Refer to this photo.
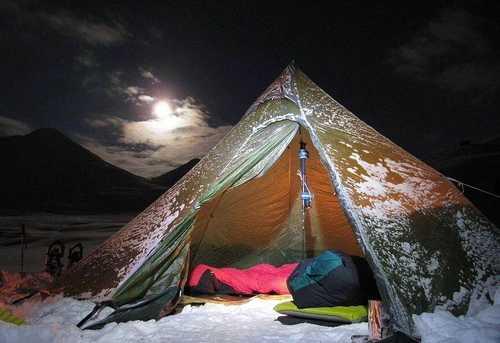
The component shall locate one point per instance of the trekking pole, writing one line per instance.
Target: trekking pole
(23, 245)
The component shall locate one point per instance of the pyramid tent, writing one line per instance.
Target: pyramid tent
(241, 204)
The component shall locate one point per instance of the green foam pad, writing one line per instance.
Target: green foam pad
(7, 316)
(344, 314)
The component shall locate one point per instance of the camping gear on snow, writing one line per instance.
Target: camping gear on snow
(8, 317)
(240, 205)
(330, 279)
(75, 254)
(17, 287)
(259, 279)
(378, 320)
(343, 314)
(53, 260)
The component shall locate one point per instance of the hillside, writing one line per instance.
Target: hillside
(170, 178)
(47, 171)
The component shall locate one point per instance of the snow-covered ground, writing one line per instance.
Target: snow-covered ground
(480, 325)
(254, 321)
(54, 321)
(44, 228)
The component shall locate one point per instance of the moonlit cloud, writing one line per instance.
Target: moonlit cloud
(11, 127)
(118, 87)
(152, 147)
(115, 78)
(87, 59)
(90, 31)
(132, 91)
(145, 98)
(109, 121)
(148, 146)
(456, 36)
(148, 74)
(125, 157)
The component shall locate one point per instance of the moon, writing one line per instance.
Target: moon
(165, 118)
(162, 109)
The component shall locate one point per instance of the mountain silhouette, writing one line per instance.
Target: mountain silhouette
(170, 178)
(47, 171)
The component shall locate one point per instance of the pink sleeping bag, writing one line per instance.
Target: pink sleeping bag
(259, 279)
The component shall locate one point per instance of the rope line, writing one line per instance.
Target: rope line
(462, 184)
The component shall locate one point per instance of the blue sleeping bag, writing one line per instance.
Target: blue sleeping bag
(330, 279)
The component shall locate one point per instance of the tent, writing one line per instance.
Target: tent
(242, 204)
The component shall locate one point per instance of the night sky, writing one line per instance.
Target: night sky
(426, 77)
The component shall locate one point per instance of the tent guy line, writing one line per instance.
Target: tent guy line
(461, 184)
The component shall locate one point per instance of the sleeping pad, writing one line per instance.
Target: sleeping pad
(259, 279)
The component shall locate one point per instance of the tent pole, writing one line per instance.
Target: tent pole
(302, 171)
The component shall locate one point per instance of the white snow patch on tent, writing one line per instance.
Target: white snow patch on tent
(426, 284)
(456, 299)
(352, 170)
(433, 264)
(375, 170)
(371, 187)
(346, 144)
(407, 248)
(479, 242)
(148, 246)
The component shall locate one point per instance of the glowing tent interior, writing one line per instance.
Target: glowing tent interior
(427, 245)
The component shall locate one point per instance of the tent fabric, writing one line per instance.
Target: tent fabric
(149, 277)
(329, 226)
(344, 314)
(427, 244)
(330, 279)
(271, 225)
(259, 279)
